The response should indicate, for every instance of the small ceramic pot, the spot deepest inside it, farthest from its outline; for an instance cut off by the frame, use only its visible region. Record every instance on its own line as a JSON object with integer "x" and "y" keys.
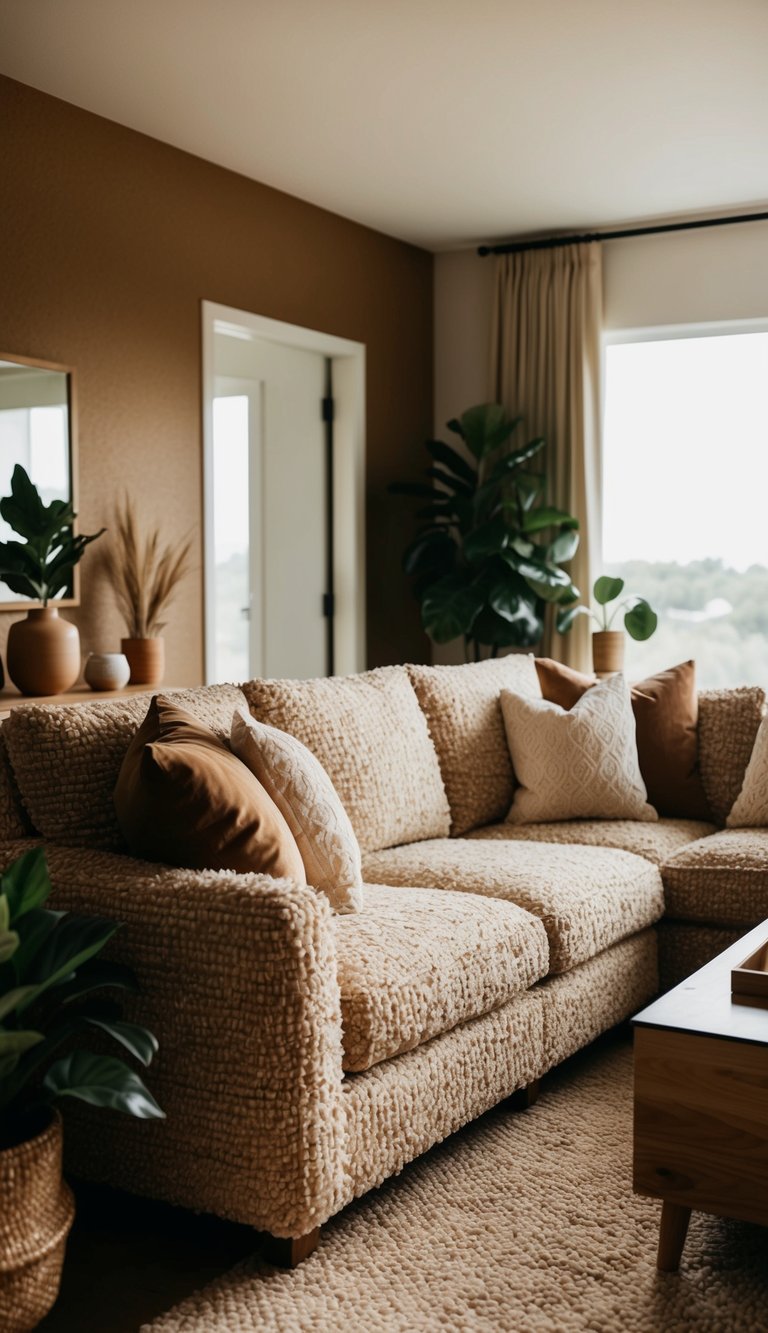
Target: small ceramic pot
{"x": 146, "y": 658}
{"x": 608, "y": 652}
{"x": 107, "y": 671}
{"x": 35, "y": 1219}
{"x": 43, "y": 652}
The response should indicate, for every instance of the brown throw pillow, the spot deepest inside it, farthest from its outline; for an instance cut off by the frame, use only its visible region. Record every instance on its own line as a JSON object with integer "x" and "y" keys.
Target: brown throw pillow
{"x": 182, "y": 797}
{"x": 666, "y": 717}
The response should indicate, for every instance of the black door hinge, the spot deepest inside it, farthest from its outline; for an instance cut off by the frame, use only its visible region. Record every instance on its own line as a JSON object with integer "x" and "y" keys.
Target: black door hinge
{"x": 328, "y": 409}
{"x": 329, "y": 605}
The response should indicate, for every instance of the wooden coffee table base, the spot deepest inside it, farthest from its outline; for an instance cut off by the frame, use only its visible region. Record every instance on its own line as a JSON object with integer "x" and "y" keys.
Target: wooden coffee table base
{"x": 701, "y": 1103}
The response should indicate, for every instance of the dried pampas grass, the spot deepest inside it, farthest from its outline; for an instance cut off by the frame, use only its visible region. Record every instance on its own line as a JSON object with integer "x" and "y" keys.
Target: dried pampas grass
{"x": 144, "y": 575}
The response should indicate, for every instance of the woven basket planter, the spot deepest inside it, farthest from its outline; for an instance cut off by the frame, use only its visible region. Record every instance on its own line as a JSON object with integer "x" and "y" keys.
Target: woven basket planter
{"x": 36, "y": 1212}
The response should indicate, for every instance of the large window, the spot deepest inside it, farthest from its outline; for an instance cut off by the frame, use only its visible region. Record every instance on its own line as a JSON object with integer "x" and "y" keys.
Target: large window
{"x": 685, "y": 496}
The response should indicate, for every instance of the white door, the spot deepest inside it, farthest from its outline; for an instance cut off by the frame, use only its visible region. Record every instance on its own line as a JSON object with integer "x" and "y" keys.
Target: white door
{"x": 270, "y": 505}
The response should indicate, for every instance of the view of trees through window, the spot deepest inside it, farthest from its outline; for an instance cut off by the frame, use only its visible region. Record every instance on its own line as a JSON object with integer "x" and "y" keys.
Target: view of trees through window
{"x": 685, "y": 490}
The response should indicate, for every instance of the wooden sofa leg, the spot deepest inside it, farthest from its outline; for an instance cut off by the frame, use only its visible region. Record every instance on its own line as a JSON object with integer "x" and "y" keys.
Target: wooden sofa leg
{"x": 524, "y": 1097}
{"x": 289, "y": 1252}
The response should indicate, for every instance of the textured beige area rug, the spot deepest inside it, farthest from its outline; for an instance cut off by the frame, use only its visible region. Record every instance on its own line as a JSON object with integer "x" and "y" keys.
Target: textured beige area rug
{"x": 522, "y": 1221}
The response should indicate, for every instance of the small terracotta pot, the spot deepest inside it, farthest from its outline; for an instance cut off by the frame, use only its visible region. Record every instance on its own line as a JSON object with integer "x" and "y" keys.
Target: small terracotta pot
{"x": 146, "y": 658}
{"x": 35, "y": 1219}
{"x": 43, "y": 652}
{"x": 608, "y": 652}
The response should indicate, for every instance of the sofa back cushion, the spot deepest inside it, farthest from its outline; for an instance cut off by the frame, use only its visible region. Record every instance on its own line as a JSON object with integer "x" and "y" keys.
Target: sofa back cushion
{"x": 728, "y": 724}
{"x": 66, "y": 758}
{"x": 463, "y": 709}
{"x": 371, "y": 738}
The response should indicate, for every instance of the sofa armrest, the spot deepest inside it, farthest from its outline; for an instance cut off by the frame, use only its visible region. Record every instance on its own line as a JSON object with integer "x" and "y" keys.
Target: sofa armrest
{"x": 238, "y": 981}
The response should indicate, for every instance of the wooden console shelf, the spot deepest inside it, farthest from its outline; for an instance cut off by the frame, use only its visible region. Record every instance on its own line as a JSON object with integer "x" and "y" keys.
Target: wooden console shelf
{"x": 81, "y": 694}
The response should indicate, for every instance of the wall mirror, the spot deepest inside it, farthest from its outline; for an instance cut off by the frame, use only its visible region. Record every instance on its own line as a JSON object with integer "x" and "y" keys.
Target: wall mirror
{"x": 37, "y": 429}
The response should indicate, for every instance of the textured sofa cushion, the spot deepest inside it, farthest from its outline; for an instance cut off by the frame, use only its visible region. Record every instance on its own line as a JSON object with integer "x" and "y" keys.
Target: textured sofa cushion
{"x": 305, "y": 796}
{"x": 728, "y": 724}
{"x": 66, "y": 758}
{"x": 183, "y": 798}
{"x": 666, "y": 712}
{"x": 463, "y": 710}
{"x": 587, "y": 897}
{"x": 371, "y": 738}
{"x": 579, "y": 763}
{"x": 750, "y": 809}
{"x": 415, "y": 962}
{"x": 655, "y": 841}
{"x": 720, "y": 881}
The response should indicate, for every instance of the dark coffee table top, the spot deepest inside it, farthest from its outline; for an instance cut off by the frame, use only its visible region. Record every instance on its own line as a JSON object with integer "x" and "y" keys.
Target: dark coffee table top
{"x": 703, "y": 1003}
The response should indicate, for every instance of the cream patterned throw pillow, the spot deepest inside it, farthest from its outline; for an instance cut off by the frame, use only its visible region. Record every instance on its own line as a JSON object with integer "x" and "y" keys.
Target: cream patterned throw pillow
{"x": 305, "y": 796}
{"x": 579, "y": 764}
{"x": 750, "y": 809}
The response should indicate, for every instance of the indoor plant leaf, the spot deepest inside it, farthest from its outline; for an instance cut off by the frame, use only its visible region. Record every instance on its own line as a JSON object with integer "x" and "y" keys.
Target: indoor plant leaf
{"x": 547, "y": 517}
{"x": 26, "y": 884}
{"x": 564, "y": 547}
{"x": 449, "y": 607}
{"x": 566, "y": 618}
{"x": 430, "y": 551}
{"x": 489, "y": 539}
{"x": 451, "y": 459}
{"x": 101, "y": 1081}
{"x": 9, "y": 943}
{"x": 607, "y": 589}
{"x": 640, "y": 622}
{"x": 454, "y": 484}
{"x": 97, "y": 974}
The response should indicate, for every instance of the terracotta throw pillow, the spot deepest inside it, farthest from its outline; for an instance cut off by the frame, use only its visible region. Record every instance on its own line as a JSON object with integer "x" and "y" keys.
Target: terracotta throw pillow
{"x": 666, "y": 714}
{"x": 304, "y": 794}
{"x": 577, "y": 764}
{"x": 182, "y": 797}
{"x": 750, "y": 809}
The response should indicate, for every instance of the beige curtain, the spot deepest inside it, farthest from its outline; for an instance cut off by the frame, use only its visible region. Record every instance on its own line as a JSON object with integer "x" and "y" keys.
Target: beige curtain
{"x": 546, "y": 364}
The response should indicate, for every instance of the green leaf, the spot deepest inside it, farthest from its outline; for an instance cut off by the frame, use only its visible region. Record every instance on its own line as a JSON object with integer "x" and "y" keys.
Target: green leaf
{"x": 453, "y": 461}
{"x": 547, "y": 517}
{"x": 13, "y": 999}
{"x": 26, "y": 884}
{"x": 513, "y": 606}
{"x": 417, "y": 488}
{"x": 488, "y": 539}
{"x": 34, "y": 928}
{"x": 607, "y": 589}
{"x": 136, "y": 1039}
{"x": 510, "y": 462}
{"x": 9, "y": 943}
{"x": 529, "y": 486}
{"x": 641, "y": 621}
{"x": 5, "y": 912}
{"x": 16, "y": 1043}
{"x": 72, "y": 942}
{"x": 566, "y": 618}
{"x": 97, "y": 974}
{"x": 481, "y": 425}
{"x": 433, "y": 551}
{"x": 537, "y": 570}
{"x": 491, "y": 628}
{"x": 450, "y": 483}
{"x": 564, "y": 547}
{"x": 449, "y": 608}
{"x": 102, "y": 1081}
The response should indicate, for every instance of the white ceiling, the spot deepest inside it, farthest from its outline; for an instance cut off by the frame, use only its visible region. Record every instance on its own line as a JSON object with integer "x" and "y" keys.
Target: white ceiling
{"x": 443, "y": 122}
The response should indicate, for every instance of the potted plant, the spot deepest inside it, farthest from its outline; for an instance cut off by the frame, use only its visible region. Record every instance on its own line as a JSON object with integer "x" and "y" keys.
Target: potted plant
{"x": 488, "y": 556}
{"x": 43, "y": 650}
{"x": 49, "y": 983}
{"x": 145, "y": 576}
{"x": 640, "y": 622}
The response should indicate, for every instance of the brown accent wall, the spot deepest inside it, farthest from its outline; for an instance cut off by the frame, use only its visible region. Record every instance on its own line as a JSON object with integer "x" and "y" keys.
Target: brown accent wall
{"x": 109, "y": 241}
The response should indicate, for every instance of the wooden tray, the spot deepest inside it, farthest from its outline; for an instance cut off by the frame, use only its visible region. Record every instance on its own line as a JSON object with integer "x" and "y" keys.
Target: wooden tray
{"x": 749, "y": 981}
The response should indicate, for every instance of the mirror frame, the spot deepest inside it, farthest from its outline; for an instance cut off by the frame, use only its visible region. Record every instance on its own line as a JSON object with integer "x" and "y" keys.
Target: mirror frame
{"x": 27, "y": 603}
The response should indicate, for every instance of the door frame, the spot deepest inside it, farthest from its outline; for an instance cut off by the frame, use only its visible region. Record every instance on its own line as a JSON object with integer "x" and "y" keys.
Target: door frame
{"x": 348, "y": 369}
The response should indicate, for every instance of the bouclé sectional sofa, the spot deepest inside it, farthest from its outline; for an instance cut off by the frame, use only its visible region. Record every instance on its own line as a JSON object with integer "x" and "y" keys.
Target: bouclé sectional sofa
{"x": 306, "y": 1056}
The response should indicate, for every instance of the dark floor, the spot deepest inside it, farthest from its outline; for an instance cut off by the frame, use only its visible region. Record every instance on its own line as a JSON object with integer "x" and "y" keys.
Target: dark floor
{"x": 128, "y": 1260}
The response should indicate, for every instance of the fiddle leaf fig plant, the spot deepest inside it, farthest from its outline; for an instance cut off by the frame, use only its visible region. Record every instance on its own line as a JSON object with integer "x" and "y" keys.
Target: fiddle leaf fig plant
{"x": 640, "y": 620}
{"x": 50, "y": 979}
{"x": 489, "y": 552}
{"x": 41, "y": 565}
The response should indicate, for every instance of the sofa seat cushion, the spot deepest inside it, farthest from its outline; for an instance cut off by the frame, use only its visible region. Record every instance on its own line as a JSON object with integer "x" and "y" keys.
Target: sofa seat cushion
{"x": 416, "y": 962}
{"x": 656, "y": 842}
{"x": 586, "y": 897}
{"x": 720, "y": 881}
{"x": 371, "y": 737}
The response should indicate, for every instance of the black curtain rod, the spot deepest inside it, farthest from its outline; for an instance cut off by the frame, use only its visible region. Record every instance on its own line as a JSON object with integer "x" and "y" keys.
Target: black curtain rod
{"x": 555, "y": 242}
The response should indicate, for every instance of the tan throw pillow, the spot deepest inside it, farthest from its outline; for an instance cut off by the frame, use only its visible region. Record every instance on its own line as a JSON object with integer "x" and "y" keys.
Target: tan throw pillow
{"x": 371, "y": 738}
{"x": 729, "y": 721}
{"x": 305, "y": 796}
{"x": 182, "y": 797}
{"x": 461, "y": 705}
{"x": 577, "y": 764}
{"x": 666, "y": 714}
{"x": 750, "y": 809}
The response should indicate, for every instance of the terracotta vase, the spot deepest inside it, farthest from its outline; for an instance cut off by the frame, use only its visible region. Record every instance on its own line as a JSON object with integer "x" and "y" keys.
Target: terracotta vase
{"x": 146, "y": 658}
{"x": 43, "y": 654}
{"x": 608, "y": 652}
{"x": 35, "y": 1218}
